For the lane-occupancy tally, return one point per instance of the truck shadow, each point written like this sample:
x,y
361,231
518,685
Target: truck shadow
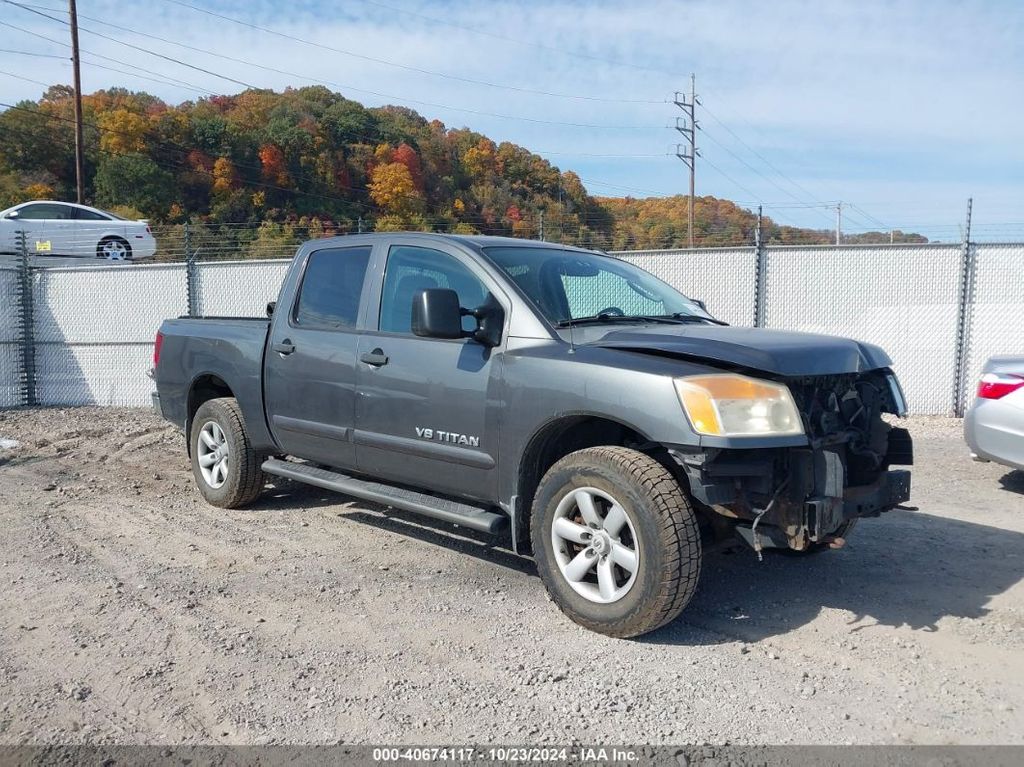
x,y
286,495
906,569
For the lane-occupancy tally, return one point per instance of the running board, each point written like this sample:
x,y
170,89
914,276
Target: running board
x,y
464,514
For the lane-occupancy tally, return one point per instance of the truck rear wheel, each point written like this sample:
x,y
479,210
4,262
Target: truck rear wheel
x,y
226,468
615,540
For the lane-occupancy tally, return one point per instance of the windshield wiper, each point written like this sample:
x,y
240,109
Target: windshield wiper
x,y
676,318
680,317
597,319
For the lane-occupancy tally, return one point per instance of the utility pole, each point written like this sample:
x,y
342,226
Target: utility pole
x,y
359,225
688,127
757,232
839,222
542,223
76,67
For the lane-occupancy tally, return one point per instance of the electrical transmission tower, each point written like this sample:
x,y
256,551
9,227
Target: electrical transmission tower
x,y
688,152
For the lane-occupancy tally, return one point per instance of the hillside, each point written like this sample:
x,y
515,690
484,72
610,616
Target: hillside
x,y
660,222
313,157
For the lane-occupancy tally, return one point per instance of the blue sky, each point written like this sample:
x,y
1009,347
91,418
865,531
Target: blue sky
x,y
899,109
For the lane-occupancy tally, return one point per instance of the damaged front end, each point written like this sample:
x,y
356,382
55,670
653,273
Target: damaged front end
x,y
805,496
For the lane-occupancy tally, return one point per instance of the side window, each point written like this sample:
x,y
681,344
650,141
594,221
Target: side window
x,y
410,270
88,215
331,286
43,211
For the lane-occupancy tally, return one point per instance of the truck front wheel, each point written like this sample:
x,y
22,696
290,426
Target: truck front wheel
x,y
226,468
615,540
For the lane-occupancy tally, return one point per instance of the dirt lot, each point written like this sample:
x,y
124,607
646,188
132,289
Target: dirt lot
x,y
133,612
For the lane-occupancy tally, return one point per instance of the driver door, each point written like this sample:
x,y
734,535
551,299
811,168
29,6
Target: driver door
x,y
425,412
31,220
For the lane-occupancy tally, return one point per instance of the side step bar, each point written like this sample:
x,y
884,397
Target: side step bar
x,y
464,514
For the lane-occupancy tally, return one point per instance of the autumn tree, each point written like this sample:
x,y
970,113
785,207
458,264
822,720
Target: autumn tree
x,y
393,189
122,132
275,170
225,177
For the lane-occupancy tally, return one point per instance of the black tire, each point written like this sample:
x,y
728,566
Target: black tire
x,y
120,241
667,539
244,479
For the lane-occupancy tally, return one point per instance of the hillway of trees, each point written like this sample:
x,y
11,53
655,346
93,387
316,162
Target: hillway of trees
x,y
311,160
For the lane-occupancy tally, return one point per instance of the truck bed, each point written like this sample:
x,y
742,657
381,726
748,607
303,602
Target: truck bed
x,y
217,349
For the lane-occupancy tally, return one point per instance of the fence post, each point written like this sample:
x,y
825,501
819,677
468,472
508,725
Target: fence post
x,y
760,274
27,320
963,317
190,274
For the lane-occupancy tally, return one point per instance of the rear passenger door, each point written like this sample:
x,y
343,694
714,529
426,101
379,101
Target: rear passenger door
x,y
60,230
310,367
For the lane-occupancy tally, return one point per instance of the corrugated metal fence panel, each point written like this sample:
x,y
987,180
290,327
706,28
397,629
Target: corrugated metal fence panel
x,y
94,330
905,299
10,338
724,278
238,288
996,312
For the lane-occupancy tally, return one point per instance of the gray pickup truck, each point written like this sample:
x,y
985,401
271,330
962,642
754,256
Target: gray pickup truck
x,y
600,419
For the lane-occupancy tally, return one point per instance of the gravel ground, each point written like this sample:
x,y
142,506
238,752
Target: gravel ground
x,y
135,613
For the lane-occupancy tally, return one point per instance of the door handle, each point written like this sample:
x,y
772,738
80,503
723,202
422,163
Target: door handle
x,y
376,358
284,348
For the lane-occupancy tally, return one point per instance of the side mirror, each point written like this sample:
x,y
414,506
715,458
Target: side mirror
x,y
436,314
12,214
490,320
271,305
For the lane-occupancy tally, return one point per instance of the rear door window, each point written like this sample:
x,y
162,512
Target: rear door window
x,y
88,215
331,287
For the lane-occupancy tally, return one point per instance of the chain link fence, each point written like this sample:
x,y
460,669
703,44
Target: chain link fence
x,y
12,341
84,335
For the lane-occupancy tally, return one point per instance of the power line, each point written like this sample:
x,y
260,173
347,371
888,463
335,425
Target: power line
x,y
748,165
130,45
767,162
26,79
31,53
605,156
170,80
388,62
331,83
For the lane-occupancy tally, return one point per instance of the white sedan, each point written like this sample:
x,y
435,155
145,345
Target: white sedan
x,y
65,229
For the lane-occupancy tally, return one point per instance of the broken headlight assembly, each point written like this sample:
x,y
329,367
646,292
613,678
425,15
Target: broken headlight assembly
x,y
731,405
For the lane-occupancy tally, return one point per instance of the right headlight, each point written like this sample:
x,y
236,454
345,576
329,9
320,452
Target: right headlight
x,y
732,405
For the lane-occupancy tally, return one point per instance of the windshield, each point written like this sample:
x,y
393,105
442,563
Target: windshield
x,y
570,285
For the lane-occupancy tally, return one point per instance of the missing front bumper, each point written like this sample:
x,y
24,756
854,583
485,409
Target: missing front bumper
x,y
823,516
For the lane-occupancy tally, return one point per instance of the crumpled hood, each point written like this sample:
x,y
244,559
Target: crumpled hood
x,y
780,352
